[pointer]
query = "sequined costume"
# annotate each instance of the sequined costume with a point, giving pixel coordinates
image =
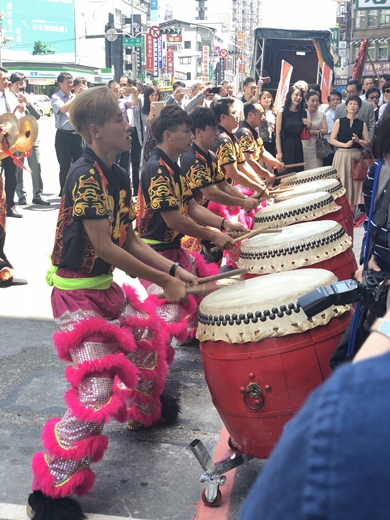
(164, 188)
(117, 346)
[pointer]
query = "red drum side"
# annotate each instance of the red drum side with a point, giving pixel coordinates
(286, 369)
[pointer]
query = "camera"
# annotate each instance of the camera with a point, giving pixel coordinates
(372, 292)
(215, 90)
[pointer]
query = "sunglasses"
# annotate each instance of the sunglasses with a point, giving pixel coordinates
(373, 97)
(386, 91)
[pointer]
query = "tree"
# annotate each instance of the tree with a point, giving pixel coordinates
(42, 48)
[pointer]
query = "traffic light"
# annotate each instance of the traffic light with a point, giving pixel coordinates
(170, 30)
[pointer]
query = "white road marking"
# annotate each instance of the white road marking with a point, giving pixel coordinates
(15, 512)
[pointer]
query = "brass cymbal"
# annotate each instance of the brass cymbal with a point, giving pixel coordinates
(12, 126)
(28, 134)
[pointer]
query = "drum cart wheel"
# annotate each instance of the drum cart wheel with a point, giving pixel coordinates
(232, 445)
(213, 475)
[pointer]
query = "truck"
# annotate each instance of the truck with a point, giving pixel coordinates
(304, 50)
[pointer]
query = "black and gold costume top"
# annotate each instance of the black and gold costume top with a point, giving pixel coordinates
(162, 188)
(228, 150)
(201, 170)
(91, 191)
(250, 141)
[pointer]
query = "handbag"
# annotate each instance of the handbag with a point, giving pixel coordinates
(360, 166)
(305, 134)
(323, 148)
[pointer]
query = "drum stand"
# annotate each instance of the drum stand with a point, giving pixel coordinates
(213, 475)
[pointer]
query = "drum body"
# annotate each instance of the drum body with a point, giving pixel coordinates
(321, 244)
(324, 172)
(258, 385)
(332, 186)
(305, 208)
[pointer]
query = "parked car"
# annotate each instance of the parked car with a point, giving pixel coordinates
(42, 104)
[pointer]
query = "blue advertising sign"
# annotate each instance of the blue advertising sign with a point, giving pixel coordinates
(155, 64)
(154, 11)
(45, 28)
(160, 52)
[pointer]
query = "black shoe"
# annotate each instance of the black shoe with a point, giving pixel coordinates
(12, 281)
(13, 213)
(41, 202)
(22, 201)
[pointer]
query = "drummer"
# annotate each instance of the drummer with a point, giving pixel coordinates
(230, 158)
(200, 165)
(6, 270)
(251, 144)
(166, 202)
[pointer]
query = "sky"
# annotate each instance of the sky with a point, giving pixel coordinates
(299, 14)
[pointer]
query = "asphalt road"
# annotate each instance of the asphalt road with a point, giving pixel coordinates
(149, 474)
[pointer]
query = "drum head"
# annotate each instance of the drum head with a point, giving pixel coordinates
(263, 307)
(298, 209)
(325, 172)
(332, 186)
(300, 245)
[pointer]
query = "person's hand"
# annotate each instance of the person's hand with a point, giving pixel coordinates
(355, 138)
(235, 229)
(185, 276)
(174, 290)
(280, 167)
(373, 265)
(22, 99)
(222, 240)
(279, 157)
(151, 111)
(3, 131)
(306, 122)
(178, 94)
(80, 89)
(19, 108)
(222, 91)
(349, 144)
(260, 83)
(249, 203)
(358, 276)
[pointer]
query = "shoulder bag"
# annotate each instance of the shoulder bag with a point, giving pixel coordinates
(360, 166)
(323, 148)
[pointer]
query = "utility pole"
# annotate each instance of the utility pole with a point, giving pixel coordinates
(2, 16)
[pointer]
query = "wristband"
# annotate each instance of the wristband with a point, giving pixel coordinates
(222, 227)
(173, 268)
(382, 326)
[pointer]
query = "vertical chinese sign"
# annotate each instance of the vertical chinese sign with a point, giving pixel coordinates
(154, 11)
(171, 63)
(149, 54)
(206, 61)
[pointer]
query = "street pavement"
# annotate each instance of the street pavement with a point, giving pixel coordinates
(150, 474)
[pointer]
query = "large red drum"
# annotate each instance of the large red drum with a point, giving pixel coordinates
(332, 186)
(312, 206)
(262, 356)
(321, 244)
(324, 172)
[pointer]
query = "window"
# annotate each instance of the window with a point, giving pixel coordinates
(383, 52)
(371, 51)
(360, 19)
(372, 18)
(185, 60)
(188, 76)
(187, 45)
(384, 17)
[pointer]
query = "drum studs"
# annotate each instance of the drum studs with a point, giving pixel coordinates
(258, 314)
(266, 312)
(242, 316)
(254, 391)
(242, 390)
(250, 314)
(263, 318)
(291, 305)
(267, 388)
(251, 375)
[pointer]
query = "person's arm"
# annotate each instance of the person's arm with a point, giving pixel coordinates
(206, 218)
(247, 170)
(256, 167)
(324, 128)
(271, 161)
(98, 231)
(258, 89)
(217, 194)
(366, 139)
(375, 345)
(192, 103)
(175, 220)
(333, 137)
(240, 177)
(278, 129)
(371, 124)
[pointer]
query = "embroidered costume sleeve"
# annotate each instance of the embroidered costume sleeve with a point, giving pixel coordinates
(226, 151)
(88, 197)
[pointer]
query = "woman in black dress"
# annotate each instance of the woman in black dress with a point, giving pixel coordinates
(350, 135)
(290, 121)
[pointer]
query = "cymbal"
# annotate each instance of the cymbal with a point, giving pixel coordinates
(12, 126)
(28, 134)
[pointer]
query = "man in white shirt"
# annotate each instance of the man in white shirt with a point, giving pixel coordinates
(334, 99)
(367, 83)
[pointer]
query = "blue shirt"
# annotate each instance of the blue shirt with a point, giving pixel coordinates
(332, 461)
(57, 101)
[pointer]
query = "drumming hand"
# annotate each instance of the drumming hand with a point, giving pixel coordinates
(249, 203)
(234, 228)
(185, 276)
(280, 167)
(175, 290)
(223, 241)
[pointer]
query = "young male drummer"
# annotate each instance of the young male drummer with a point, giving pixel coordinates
(230, 158)
(200, 165)
(251, 144)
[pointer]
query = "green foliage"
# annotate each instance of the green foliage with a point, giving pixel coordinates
(42, 48)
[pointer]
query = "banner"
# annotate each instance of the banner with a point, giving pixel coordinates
(171, 63)
(206, 60)
(154, 11)
(284, 84)
(326, 82)
(149, 54)
(160, 52)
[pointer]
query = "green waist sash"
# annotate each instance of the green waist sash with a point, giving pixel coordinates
(100, 283)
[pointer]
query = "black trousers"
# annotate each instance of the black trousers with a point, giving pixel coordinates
(10, 182)
(135, 159)
(68, 150)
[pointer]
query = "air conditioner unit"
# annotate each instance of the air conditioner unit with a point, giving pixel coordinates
(97, 79)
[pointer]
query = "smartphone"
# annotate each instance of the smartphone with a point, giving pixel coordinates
(184, 90)
(158, 106)
(129, 90)
(267, 79)
(215, 90)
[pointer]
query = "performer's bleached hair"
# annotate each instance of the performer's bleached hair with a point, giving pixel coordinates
(96, 105)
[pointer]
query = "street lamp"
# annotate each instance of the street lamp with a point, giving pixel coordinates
(212, 31)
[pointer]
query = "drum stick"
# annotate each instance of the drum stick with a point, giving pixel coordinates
(281, 190)
(221, 276)
(293, 166)
(251, 234)
(197, 289)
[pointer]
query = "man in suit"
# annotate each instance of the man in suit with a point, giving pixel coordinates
(366, 112)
